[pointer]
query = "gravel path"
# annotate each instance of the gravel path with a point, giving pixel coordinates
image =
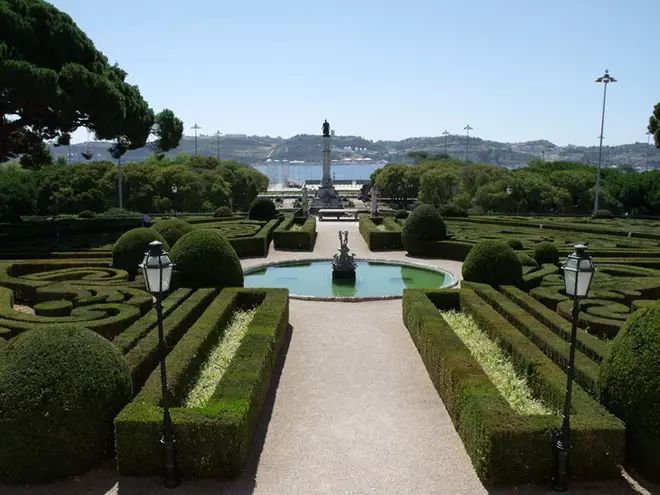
(352, 410)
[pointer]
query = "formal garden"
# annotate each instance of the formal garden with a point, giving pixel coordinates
(80, 346)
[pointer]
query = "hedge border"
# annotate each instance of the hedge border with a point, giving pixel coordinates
(507, 448)
(378, 240)
(212, 441)
(302, 240)
(258, 245)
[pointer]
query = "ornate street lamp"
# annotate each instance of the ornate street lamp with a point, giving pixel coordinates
(157, 271)
(578, 273)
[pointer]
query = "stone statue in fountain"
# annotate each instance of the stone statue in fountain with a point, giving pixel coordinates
(374, 202)
(343, 264)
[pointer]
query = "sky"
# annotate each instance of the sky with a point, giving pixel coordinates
(515, 70)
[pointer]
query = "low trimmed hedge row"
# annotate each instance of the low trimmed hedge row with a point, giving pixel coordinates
(378, 240)
(304, 239)
(256, 245)
(132, 335)
(212, 441)
(551, 344)
(143, 357)
(507, 448)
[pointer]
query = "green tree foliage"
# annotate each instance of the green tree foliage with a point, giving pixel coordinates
(438, 186)
(53, 80)
(168, 129)
(153, 186)
(654, 125)
(418, 156)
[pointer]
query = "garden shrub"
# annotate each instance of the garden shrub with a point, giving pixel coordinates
(452, 210)
(630, 385)
(546, 252)
(262, 209)
(60, 389)
(492, 262)
(527, 260)
(86, 214)
(205, 258)
(223, 211)
(423, 227)
(172, 229)
(603, 215)
(128, 251)
(515, 244)
(401, 214)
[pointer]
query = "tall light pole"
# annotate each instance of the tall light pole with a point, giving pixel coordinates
(606, 79)
(446, 135)
(648, 147)
(578, 274)
(467, 142)
(217, 135)
(157, 272)
(195, 127)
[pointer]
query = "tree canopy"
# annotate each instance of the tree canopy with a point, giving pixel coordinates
(654, 125)
(53, 80)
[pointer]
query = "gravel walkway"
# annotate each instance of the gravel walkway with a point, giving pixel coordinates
(353, 410)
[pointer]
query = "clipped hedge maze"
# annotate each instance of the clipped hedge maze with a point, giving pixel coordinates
(64, 292)
(250, 238)
(212, 441)
(506, 447)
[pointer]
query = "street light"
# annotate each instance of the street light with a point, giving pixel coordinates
(578, 273)
(217, 135)
(606, 79)
(195, 127)
(157, 271)
(467, 142)
(446, 135)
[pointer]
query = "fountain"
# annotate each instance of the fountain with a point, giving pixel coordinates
(343, 264)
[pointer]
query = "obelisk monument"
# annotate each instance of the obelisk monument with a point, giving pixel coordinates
(326, 196)
(326, 180)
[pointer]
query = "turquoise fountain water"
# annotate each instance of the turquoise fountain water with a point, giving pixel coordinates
(374, 279)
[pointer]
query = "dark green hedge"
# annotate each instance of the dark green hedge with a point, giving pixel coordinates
(507, 448)
(303, 239)
(212, 441)
(379, 240)
(67, 227)
(257, 245)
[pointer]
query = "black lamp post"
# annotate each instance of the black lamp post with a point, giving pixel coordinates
(578, 274)
(157, 271)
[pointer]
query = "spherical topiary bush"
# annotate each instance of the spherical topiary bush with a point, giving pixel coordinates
(128, 251)
(492, 262)
(205, 258)
(262, 209)
(223, 211)
(86, 214)
(515, 244)
(603, 215)
(423, 227)
(546, 252)
(60, 389)
(401, 214)
(172, 229)
(629, 384)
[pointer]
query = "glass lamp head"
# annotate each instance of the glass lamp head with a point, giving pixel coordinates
(578, 272)
(157, 268)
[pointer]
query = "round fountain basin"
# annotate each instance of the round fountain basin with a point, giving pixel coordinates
(374, 279)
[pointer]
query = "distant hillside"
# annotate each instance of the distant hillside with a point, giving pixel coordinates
(307, 148)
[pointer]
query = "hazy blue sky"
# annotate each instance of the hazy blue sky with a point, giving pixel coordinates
(516, 70)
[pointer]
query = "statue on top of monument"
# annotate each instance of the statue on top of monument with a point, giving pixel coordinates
(326, 128)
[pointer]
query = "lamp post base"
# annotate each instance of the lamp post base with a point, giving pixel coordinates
(560, 481)
(171, 475)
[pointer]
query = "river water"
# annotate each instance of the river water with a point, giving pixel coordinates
(278, 173)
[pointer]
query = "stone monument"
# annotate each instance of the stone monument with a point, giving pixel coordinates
(305, 202)
(326, 196)
(343, 264)
(374, 202)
